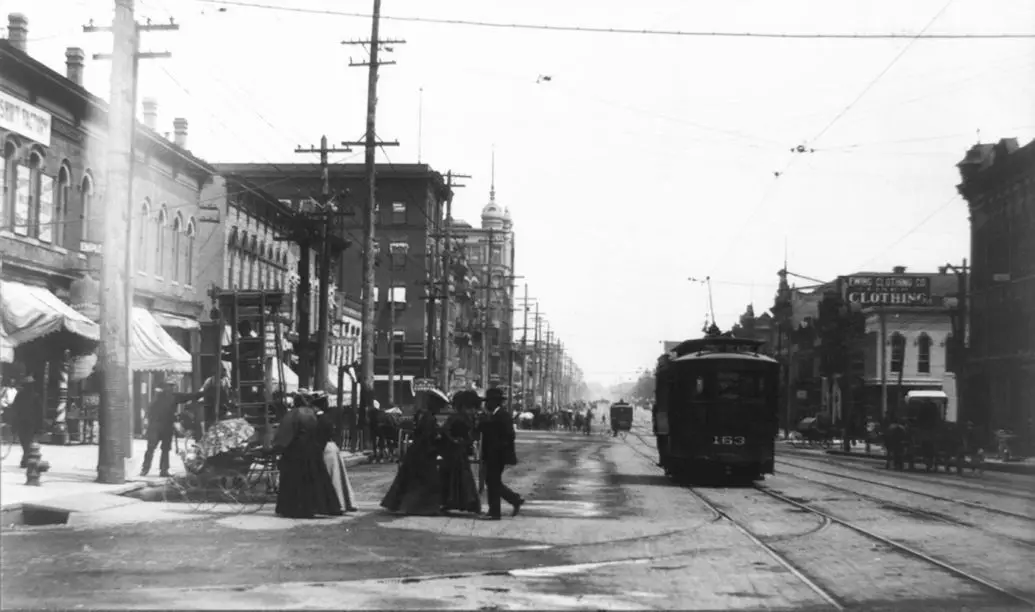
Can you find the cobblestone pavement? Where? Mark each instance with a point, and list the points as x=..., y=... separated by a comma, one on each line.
x=602, y=529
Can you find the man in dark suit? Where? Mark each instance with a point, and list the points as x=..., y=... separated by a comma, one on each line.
x=161, y=421
x=498, y=452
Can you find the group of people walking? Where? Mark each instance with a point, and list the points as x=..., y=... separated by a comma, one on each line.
x=435, y=476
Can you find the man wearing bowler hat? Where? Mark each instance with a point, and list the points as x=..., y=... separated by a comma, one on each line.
x=498, y=452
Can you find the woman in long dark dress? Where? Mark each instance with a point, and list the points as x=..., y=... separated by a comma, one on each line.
x=417, y=488
x=459, y=490
x=305, y=488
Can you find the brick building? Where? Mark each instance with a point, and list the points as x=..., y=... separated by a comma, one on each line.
x=489, y=253
x=51, y=217
x=999, y=370
x=411, y=201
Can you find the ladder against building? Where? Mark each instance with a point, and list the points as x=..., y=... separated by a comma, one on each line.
x=255, y=347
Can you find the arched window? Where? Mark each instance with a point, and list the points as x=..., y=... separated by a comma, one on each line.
x=231, y=257
x=144, y=236
x=188, y=258
x=898, y=352
x=86, y=213
x=923, y=354
x=8, y=181
x=177, y=228
x=26, y=197
x=242, y=259
x=161, y=220
x=62, y=199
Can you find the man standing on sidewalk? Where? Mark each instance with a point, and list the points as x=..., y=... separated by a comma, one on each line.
x=161, y=419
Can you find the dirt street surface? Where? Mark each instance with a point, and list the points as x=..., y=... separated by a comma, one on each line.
x=602, y=529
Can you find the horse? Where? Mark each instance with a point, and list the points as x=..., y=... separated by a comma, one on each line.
x=384, y=430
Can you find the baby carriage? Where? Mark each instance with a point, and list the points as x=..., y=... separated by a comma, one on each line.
x=230, y=465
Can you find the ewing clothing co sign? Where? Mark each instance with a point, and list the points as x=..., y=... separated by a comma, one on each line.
x=889, y=290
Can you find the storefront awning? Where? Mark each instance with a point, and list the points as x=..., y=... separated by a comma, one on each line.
x=29, y=313
x=171, y=320
x=153, y=349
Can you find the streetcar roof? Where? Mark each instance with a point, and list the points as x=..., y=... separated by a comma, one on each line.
x=719, y=356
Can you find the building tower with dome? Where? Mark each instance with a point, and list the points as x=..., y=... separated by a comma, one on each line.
x=484, y=328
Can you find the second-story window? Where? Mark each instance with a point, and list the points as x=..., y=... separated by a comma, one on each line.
x=177, y=228
x=398, y=213
x=143, y=235
x=161, y=221
x=898, y=352
x=188, y=260
x=45, y=217
x=400, y=252
x=923, y=354
x=61, y=201
x=86, y=214
x=7, y=183
x=26, y=197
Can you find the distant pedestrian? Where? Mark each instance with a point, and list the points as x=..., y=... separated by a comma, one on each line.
x=161, y=425
x=498, y=452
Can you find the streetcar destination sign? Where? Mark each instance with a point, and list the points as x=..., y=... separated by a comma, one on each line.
x=887, y=290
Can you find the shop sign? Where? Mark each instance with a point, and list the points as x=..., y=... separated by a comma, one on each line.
x=887, y=290
x=23, y=118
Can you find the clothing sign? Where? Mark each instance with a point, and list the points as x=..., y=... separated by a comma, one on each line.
x=23, y=118
x=890, y=290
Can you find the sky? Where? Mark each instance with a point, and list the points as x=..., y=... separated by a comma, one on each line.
x=645, y=160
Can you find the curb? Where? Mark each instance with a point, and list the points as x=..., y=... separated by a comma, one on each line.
x=123, y=489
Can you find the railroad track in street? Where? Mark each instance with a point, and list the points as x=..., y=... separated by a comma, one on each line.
x=990, y=587
x=854, y=463
x=929, y=514
x=960, y=502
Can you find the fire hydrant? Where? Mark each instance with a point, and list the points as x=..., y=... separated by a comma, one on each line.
x=35, y=466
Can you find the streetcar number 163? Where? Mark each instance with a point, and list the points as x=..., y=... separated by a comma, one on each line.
x=728, y=440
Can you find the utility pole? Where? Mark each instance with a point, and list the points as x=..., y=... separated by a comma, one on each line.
x=370, y=213
x=510, y=322
x=535, y=355
x=883, y=362
x=117, y=267
x=524, y=353
x=391, y=328
x=325, y=200
x=447, y=258
x=486, y=342
x=547, y=374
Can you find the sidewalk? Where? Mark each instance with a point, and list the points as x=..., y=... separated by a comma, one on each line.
x=73, y=474
x=1025, y=466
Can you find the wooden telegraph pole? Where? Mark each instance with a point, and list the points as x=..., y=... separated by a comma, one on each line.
x=116, y=411
x=447, y=250
x=370, y=143
x=326, y=200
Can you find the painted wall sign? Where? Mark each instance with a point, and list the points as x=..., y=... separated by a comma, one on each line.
x=23, y=118
x=887, y=290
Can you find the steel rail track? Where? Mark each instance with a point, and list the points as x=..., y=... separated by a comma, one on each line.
x=989, y=585
x=827, y=596
x=833, y=600
x=910, y=510
x=961, y=502
x=856, y=462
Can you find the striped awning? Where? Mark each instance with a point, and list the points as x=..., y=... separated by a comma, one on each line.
x=152, y=349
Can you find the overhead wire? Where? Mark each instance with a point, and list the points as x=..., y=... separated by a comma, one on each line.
x=832, y=122
x=627, y=31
